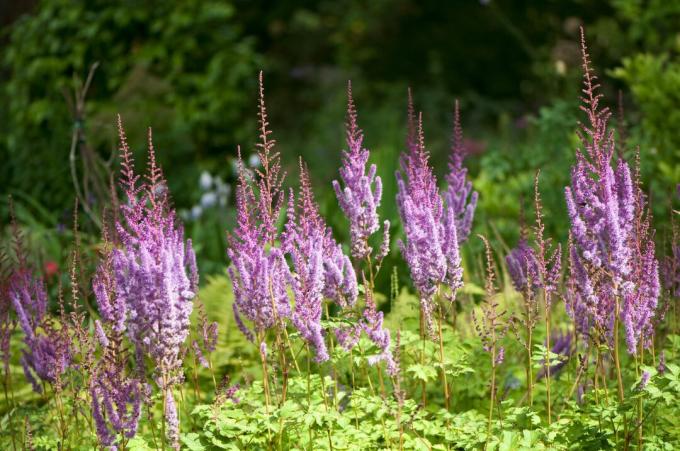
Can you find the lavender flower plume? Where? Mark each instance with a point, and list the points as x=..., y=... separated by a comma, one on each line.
x=523, y=267
x=372, y=324
x=116, y=398
x=307, y=286
x=172, y=419
x=152, y=281
x=145, y=286
x=259, y=272
x=48, y=349
x=360, y=197
x=603, y=204
x=431, y=243
x=321, y=269
x=459, y=195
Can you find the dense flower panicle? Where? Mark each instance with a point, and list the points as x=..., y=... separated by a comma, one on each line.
x=612, y=257
x=459, y=195
x=430, y=247
x=372, y=324
x=172, y=419
x=307, y=286
x=259, y=281
x=48, y=349
x=639, y=304
x=321, y=269
x=362, y=192
x=145, y=286
x=580, y=301
x=259, y=272
x=523, y=267
x=116, y=400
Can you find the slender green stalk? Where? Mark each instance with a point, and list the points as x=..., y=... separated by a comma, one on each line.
x=441, y=361
x=493, y=391
x=529, y=347
x=547, y=358
x=617, y=360
x=639, y=403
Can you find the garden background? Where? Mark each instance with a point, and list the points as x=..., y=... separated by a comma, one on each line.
x=190, y=69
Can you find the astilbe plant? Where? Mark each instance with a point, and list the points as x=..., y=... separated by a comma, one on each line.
x=116, y=397
x=47, y=353
x=360, y=198
x=320, y=267
x=491, y=326
x=430, y=246
x=459, y=195
x=603, y=203
x=259, y=272
x=146, y=285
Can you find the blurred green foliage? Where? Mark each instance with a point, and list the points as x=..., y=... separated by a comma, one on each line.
x=185, y=68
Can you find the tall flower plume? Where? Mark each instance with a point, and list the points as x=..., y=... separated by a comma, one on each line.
x=47, y=354
x=147, y=284
x=116, y=398
x=459, y=195
x=431, y=241
x=603, y=203
x=321, y=268
x=259, y=272
x=362, y=192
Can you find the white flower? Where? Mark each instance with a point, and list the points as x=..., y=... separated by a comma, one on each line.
x=254, y=161
x=205, y=181
x=208, y=199
x=196, y=212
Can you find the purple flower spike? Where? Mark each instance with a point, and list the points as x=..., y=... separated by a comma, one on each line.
x=523, y=266
x=321, y=268
x=146, y=285
x=612, y=251
x=116, y=399
x=360, y=197
x=259, y=272
x=459, y=195
x=48, y=350
x=372, y=324
x=431, y=240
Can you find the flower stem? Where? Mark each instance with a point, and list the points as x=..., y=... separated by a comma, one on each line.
x=617, y=360
x=441, y=361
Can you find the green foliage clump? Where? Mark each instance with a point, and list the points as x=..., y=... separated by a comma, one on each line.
x=183, y=67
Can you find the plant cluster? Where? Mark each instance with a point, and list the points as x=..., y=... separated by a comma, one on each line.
x=320, y=365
